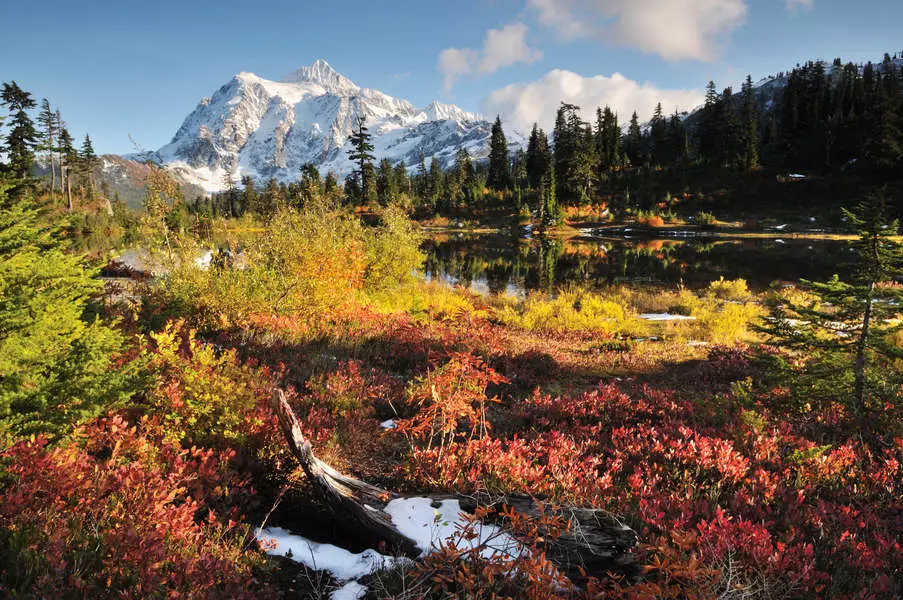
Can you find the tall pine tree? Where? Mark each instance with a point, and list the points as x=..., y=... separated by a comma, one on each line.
x=22, y=137
x=361, y=152
x=499, y=177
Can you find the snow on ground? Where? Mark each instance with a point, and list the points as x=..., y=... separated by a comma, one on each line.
x=341, y=563
x=665, y=317
x=429, y=526
x=390, y=424
x=416, y=518
x=350, y=591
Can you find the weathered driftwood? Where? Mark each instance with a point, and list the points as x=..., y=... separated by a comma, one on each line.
x=596, y=542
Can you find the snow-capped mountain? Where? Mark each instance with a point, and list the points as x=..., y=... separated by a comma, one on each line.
x=253, y=126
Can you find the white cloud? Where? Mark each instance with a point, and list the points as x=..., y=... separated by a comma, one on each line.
x=796, y=5
x=501, y=48
x=455, y=62
x=505, y=47
x=523, y=104
x=673, y=29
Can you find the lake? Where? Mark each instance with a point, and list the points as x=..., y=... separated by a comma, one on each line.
x=495, y=263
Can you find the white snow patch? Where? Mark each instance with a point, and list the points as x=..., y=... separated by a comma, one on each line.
x=390, y=424
x=203, y=261
x=341, y=563
x=665, y=317
x=350, y=591
x=417, y=519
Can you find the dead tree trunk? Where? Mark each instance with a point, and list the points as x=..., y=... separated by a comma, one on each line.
x=595, y=543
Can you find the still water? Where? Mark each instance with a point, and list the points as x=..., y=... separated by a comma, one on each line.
x=505, y=263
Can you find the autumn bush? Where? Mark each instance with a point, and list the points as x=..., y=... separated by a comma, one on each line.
x=118, y=509
x=204, y=396
x=728, y=501
x=572, y=310
x=316, y=259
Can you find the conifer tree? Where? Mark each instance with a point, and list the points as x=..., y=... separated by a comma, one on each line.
x=47, y=124
x=421, y=185
x=634, y=142
x=56, y=363
x=707, y=132
x=538, y=156
x=549, y=213
x=311, y=184
x=402, y=181
x=361, y=152
x=21, y=137
x=251, y=195
x=436, y=185
x=608, y=140
x=386, y=188
x=499, y=164
x=68, y=161
x=87, y=161
x=750, y=118
x=658, y=133
x=852, y=321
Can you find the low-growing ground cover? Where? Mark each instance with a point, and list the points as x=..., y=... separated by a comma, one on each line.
x=741, y=479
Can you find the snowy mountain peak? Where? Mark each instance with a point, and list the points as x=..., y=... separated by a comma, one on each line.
x=438, y=111
x=322, y=73
x=270, y=129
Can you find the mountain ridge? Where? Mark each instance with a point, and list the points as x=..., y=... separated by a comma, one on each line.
x=270, y=129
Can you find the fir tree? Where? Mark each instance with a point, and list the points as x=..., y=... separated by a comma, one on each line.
x=251, y=195
x=608, y=140
x=855, y=320
x=658, y=133
x=386, y=188
x=634, y=143
x=68, y=161
x=56, y=362
x=538, y=156
x=750, y=118
x=48, y=130
x=436, y=185
x=361, y=152
x=499, y=165
x=311, y=184
x=21, y=138
x=87, y=161
x=707, y=132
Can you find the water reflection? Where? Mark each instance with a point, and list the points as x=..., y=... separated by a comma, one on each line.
x=507, y=263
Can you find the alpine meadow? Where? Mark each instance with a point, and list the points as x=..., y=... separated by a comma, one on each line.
x=588, y=326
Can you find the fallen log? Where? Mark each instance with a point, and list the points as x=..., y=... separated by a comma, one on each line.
x=595, y=543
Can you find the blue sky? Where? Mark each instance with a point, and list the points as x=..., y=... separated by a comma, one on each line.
x=125, y=68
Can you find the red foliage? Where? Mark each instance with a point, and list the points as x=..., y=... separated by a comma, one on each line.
x=752, y=512
x=122, y=510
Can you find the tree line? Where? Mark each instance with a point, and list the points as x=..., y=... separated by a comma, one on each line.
x=45, y=138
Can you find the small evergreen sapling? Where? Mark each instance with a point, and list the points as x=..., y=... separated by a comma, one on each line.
x=851, y=323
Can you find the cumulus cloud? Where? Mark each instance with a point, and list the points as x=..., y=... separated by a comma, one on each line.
x=501, y=48
x=795, y=5
x=673, y=29
x=455, y=62
x=523, y=104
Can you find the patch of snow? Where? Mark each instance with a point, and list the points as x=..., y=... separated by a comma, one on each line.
x=350, y=591
x=696, y=343
x=796, y=176
x=429, y=526
x=203, y=261
x=779, y=241
x=781, y=227
x=390, y=424
x=665, y=317
x=341, y=563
